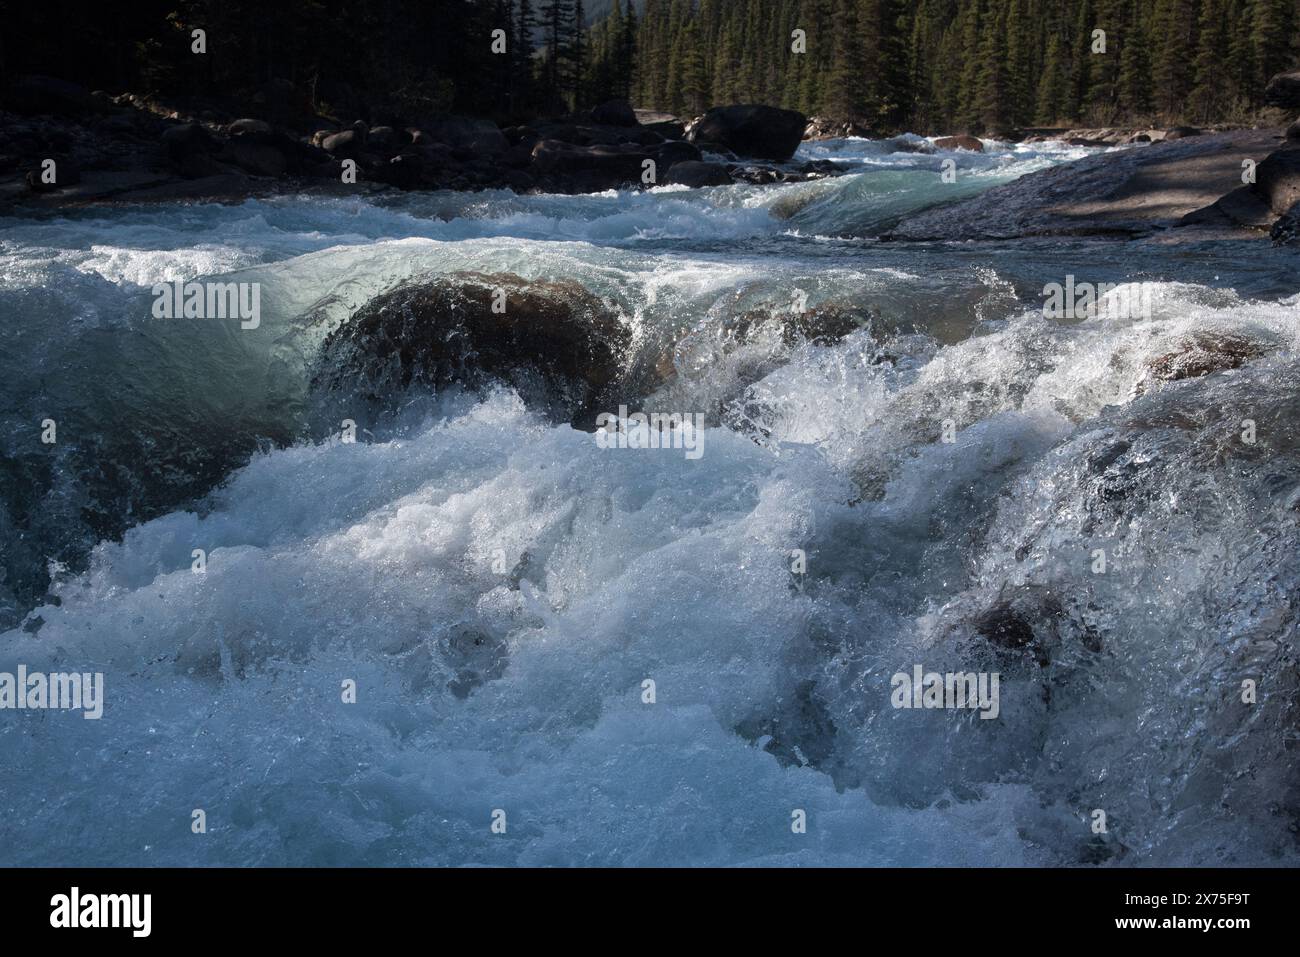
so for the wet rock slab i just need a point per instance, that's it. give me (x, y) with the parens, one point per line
(1124, 193)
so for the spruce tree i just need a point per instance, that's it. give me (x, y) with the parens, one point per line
(556, 23)
(576, 54)
(694, 88)
(968, 42)
(991, 108)
(1135, 66)
(627, 59)
(845, 89)
(1172, 64)
(1206, 98)
(1053, 90)
(525, 24)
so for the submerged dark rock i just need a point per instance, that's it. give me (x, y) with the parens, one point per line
(559, 345)
(1005, 626)
(962, 142)
(1199, 356)
(824, 128)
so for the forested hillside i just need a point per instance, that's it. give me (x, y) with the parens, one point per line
(923, 65)
(970, 64)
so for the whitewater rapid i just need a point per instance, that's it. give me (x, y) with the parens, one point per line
(500, 588)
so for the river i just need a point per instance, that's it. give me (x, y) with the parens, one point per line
(684, 651)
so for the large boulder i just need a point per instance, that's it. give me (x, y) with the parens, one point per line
(250, 127)
(559, 345)
(668, 129)
(765, 132)
(187, 139)
(254, 156)
(667, 155)
(615, 113)
(622, 163)
(346, 144)
(1284, 91)
(602, 166)
(1277, 179)
(386, 140)
(696, 174)
(463, 133)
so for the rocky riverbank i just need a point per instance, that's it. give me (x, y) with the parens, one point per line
(61, 145)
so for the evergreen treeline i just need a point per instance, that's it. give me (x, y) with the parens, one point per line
(398, 56)
(978, 65)
(925, 65)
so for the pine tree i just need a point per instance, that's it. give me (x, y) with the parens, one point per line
(1053, 90)
(1206, 98)
(1019, 100)
(1081, 60)
(887, 89)
(966, 106)
(1240, 70)
(627, 59)
(1135, 66)
(556, 22)
(577, 53)
(815, 21)
(694, 88)
(991, 105)
(653, 42)
(724, 68)
(845, 86)
(525, 25)
(1101, 94)
(1172, 65)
